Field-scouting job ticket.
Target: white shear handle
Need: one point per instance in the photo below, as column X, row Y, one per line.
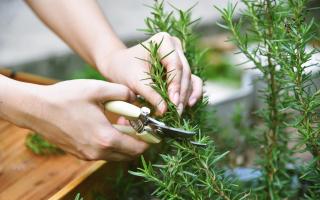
column 144, row 135
column 123, row 108
column 130, row 112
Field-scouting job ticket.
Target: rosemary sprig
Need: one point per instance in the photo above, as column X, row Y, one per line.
column 40, row 146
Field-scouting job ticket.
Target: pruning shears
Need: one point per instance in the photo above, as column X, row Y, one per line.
column 143, row 126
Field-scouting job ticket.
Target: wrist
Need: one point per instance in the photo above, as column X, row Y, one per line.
column 19, row 101
column 104, row 54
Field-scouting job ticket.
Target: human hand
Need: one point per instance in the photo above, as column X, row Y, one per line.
column 71, row 115
column 122, row 66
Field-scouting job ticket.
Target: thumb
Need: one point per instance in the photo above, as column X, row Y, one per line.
column 106, row 91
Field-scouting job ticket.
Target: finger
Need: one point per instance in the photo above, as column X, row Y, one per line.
column 130, row 146
column 101, row 154
column 152, row 96
column 183, row 105
column 105, row 91
column 118, row 142
column 185, row 84
column 197, row 90
column 171, row 61
column 189, row 92
column 114, row 156
column 122, row 121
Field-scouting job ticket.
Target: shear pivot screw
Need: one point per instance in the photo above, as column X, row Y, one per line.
column 145, row 111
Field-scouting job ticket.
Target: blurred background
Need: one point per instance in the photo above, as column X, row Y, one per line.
column 26, row 44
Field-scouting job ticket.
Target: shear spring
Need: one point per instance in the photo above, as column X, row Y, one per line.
column 137, row 125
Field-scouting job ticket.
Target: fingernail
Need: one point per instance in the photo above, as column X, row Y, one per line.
column 180, row 109
column 192, row 101
column 176, row 98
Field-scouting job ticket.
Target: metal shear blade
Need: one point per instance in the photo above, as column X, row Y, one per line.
column 167, row 131
column 176, row 132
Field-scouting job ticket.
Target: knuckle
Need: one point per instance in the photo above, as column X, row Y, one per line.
column 106, row 142
column 141, row 149
column 135, row 153
column 127, row 94
column 184, row 92
column 139, row 84
column 123, row 88
column 175, row 85
column 176, row 64
column 97, row 88
column 179, row 65
column 91, row 155
column 124, row 91
column 88, row 90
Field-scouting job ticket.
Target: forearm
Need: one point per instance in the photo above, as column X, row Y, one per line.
column 81, row 24
column 17, row 99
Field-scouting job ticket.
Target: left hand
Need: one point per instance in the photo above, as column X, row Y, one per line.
column 122, row 66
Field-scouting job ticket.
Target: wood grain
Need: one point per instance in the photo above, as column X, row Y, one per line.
column 24, row 175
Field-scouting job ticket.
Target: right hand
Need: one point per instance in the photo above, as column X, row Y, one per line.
column 184, row 88
column 70, row 114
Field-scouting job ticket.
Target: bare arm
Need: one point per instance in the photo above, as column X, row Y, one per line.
column 81, row 24
column 15, row 99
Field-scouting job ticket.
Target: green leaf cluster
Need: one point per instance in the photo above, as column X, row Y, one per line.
column 281, row 32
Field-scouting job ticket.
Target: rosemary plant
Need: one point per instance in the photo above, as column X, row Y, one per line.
column 294, row 58
column 281, row 33
column 184, row 171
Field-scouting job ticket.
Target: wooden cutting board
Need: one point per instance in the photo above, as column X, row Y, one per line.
column 24, row 175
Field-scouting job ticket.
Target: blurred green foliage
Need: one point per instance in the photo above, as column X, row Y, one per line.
column 40, row 146
column 88, row 72
column 221, row 70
